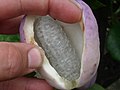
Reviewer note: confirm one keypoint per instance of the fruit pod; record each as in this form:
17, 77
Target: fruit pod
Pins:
72, 54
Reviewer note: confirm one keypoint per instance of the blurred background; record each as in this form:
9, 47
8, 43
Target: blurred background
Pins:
107, 13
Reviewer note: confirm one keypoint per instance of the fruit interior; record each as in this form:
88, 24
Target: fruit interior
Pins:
62, 43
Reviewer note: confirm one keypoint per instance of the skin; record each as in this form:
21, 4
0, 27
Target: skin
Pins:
14, 56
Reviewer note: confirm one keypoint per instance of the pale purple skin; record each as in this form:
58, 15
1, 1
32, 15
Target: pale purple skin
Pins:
89, 31
22, 36
87, 15
89, 84
92, 81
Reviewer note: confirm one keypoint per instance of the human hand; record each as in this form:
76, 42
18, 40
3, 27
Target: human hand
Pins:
18, 59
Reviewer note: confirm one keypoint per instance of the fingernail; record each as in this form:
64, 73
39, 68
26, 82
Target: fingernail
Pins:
34, 58
75, 2
77, 6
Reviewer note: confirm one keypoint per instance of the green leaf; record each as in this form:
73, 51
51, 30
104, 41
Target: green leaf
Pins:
115, 85
10, 38
118, 11
96, 87
113, 41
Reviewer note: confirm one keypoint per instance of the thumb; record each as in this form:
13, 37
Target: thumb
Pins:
17, 59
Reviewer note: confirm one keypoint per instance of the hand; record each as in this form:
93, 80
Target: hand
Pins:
18, 59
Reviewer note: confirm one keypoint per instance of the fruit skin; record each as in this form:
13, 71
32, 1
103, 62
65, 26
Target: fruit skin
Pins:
91, 53
22, 35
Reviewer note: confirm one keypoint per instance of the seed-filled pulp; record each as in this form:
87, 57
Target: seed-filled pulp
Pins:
58, 48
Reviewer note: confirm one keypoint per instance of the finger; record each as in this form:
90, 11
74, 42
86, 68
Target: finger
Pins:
17, 59
10, 26
25, 84
63, 10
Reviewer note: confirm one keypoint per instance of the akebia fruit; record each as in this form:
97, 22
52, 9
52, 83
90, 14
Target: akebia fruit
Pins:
71, 51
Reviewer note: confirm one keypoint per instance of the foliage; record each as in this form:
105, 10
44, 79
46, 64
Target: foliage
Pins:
96, 87
10, 38
113, 41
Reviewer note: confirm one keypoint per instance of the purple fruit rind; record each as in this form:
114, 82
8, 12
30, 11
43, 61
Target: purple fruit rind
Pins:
22, 35
78, 1
90, 34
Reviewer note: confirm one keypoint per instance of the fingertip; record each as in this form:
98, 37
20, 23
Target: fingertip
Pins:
65, 10
34, 58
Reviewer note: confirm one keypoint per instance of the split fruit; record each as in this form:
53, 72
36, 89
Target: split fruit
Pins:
71, 50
